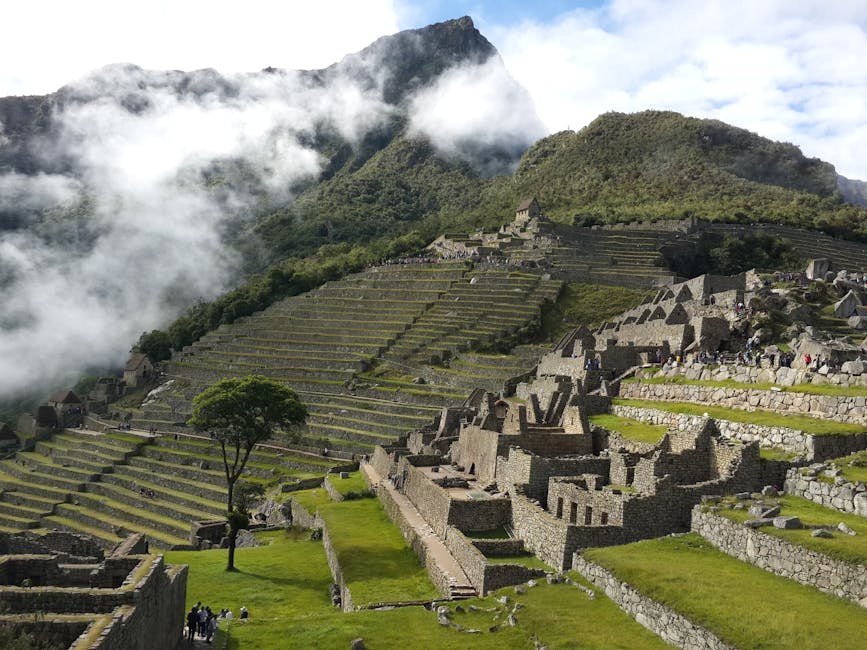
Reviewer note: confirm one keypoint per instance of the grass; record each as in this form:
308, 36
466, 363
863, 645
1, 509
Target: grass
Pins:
804, 423
377, 564
524, 559
589, 304
285, 587
775, 453
809, 389
629, 428
743, 605
355, 483
854, 466
841, 546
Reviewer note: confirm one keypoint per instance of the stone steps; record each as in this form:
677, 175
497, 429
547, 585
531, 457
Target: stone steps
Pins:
29, 487
175, 477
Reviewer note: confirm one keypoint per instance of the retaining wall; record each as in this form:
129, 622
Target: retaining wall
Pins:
834, 407
806, 566
659, 619
790, 440
483, 576
847, 497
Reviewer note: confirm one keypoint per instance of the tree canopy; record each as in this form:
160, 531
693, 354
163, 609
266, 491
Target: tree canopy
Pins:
239, 413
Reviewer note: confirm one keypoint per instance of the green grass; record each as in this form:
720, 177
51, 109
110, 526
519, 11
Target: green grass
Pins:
809, 389
743, 605
805, 423
377, 564
774, 453
844, 547
854, 466
285, 587
589, 304
355, 483
524, 559
629, 428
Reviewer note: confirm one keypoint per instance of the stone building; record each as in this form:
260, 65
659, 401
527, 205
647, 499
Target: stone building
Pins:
60, 588
138, 371
7, 437
69, 408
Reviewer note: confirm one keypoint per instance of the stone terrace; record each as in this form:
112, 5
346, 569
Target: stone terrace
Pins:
92, 484
330, 344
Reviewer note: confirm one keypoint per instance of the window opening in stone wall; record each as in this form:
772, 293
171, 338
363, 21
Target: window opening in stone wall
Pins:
560, 508
573, 513
588, 515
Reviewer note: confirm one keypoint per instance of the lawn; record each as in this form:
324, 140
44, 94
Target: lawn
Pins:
353, 483
743, 605
285, 587
377, 564
804, 423
844, 547
629, 428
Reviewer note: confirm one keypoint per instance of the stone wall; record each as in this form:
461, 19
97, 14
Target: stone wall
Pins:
845, 497
440, 580
790, 440
68, 545
431, 501
336, 571
546, 536
806, 566
836, 407
659, 619
470, 515
157, 620
483, 576
763, 375
533, 472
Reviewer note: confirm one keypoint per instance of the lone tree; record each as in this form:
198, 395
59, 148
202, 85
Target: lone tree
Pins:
239, 413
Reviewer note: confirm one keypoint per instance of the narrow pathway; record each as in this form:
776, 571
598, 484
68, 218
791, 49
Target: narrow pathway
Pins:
459, 584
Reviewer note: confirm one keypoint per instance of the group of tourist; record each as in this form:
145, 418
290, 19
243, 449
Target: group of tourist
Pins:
203, 622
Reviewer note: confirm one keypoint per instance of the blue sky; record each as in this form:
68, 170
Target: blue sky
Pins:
791, 70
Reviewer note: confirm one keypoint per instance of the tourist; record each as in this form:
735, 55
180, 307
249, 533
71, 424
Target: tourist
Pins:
210, 626
192, 623
244, 613
203, 619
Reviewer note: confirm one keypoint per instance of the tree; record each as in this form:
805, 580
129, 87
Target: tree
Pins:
156, 344
240, 413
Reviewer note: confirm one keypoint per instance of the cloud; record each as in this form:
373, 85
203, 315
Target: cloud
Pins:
475, 108
790, 71
55, 41
77, 291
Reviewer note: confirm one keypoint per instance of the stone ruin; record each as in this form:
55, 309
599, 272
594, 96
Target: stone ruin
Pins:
61, 588
532, 464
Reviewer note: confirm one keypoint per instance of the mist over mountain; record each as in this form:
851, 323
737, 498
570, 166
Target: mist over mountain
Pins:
130, 193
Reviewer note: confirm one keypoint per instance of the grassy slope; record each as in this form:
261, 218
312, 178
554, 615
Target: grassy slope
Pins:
745, 606
285, 587
377, 564
809, 389
844, 547
629, 428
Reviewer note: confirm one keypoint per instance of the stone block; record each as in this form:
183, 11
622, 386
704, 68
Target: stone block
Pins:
843, 528
787, 523
769, 491
822, 532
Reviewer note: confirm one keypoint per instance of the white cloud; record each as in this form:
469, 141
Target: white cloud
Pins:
476, 106
788, 70
49, 43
